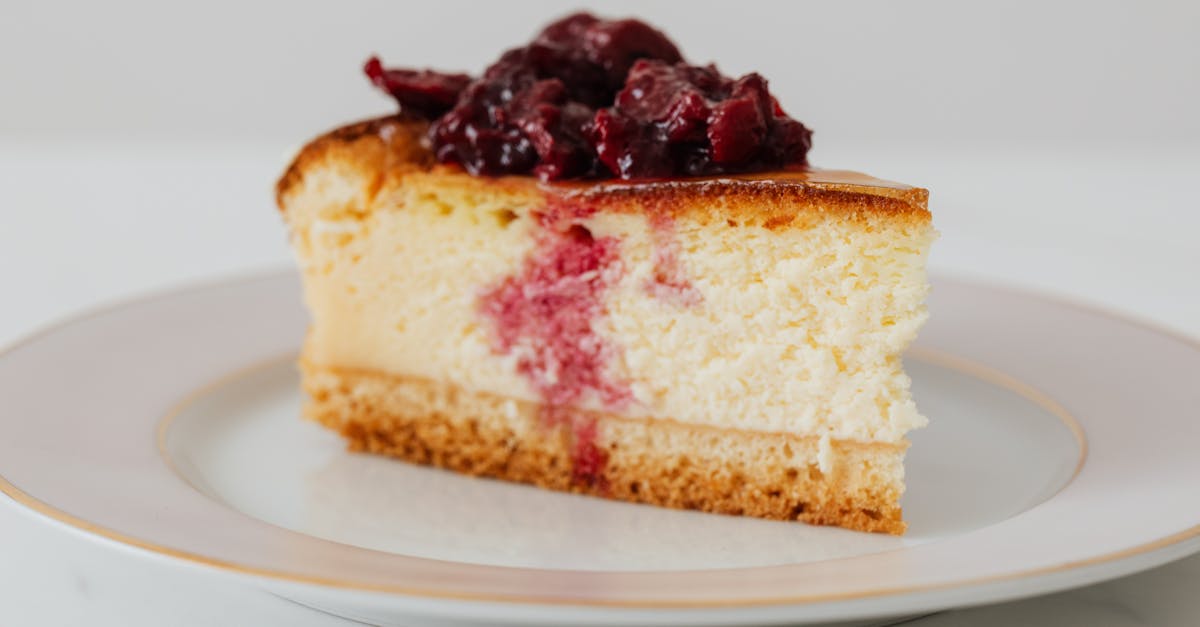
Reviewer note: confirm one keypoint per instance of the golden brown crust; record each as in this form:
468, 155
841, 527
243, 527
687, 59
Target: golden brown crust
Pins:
768, 199
394, 145
659, 462
376, 145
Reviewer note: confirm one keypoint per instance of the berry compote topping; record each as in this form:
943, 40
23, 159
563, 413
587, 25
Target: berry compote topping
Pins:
592, 98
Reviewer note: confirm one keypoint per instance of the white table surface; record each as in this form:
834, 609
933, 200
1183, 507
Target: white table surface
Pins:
83, 224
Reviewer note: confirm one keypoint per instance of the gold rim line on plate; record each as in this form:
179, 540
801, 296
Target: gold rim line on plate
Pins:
989, 374
177, 408
65, 518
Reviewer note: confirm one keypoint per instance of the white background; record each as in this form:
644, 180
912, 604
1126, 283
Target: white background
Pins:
923, 71
139, 141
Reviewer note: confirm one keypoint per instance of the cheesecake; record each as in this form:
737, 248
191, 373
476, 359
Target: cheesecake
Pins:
617, 276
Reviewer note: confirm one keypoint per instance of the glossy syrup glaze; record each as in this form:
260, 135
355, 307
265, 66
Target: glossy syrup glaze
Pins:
783, 176
749, 197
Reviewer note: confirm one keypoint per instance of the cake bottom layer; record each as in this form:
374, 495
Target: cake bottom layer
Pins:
781, 476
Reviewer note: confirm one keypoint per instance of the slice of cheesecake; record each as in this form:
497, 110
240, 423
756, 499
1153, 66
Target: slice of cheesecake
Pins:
724, 343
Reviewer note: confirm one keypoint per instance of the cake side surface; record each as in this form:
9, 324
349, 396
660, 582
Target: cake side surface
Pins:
658, 462
755, 310
829, 300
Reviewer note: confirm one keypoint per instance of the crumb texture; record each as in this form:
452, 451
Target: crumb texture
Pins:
659, 462
795, 328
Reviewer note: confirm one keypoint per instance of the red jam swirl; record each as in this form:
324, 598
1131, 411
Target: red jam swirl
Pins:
592, 98
545, 315
670, 282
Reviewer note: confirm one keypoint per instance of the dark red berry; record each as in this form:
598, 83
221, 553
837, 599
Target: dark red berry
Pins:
424, 92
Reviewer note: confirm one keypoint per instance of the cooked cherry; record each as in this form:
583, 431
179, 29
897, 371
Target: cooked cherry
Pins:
422, 91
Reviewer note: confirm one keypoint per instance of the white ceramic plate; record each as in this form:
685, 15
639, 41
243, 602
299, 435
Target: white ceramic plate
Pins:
1062, 450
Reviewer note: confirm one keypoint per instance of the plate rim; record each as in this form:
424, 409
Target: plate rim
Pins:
49, 513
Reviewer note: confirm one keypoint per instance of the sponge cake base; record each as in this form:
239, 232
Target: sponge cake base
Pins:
780, 476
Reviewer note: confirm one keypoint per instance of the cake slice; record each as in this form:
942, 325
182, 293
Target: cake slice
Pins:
728, 341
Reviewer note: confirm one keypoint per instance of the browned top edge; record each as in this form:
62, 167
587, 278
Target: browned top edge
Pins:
375, 129
767, 198
831, 190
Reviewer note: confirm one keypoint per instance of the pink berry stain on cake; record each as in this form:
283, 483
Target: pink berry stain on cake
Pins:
670, 282
545, 314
